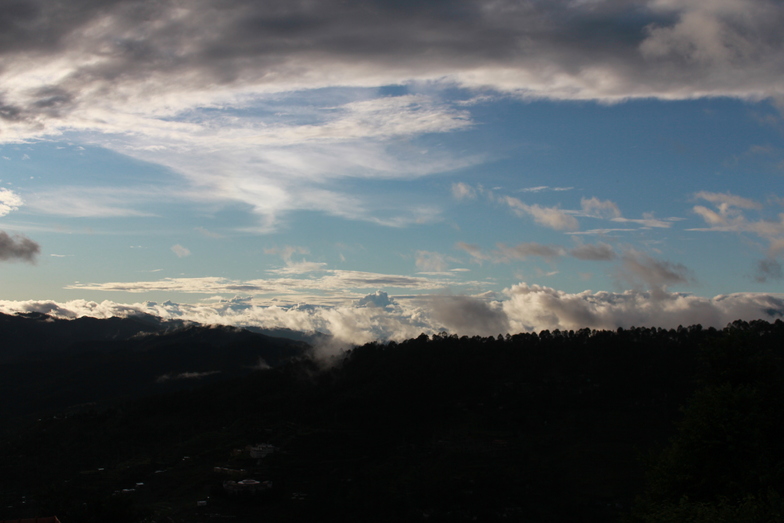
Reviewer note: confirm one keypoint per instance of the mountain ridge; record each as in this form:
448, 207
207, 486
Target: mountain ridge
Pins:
49, 364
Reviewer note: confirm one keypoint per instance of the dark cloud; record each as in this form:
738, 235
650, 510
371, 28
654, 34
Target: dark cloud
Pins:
10, 112
370, 280
522, 251
471, 316
594, 252
769, 269
52, 101
525, 250
657, 275
559, 48
18, 248
244, 288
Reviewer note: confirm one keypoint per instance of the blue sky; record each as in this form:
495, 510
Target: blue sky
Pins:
377, 171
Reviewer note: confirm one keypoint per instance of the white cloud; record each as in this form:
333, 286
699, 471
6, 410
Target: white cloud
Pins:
597, 208
221, 164
9, 201
92, 202
302, 267
711, 217
551, 217
463, 191
647, 221
531, 307
342, 281
731, 216
725, 201
432, 262
608, 210
287, 251
600, 232
293, 266
378, 118
180, 251
377, 299
208, 233
545, 188
273, 165
474, 251
564, 219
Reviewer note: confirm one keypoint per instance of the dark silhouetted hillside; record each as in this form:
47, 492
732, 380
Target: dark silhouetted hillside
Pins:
585, 426
51, 365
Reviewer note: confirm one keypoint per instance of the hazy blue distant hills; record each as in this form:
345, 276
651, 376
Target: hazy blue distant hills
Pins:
47, 365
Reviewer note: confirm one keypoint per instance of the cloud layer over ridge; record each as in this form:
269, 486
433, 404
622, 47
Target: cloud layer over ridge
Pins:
378, 316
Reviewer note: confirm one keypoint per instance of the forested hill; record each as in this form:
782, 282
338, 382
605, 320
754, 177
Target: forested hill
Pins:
24, 336
37, 334
548, 427
49, 365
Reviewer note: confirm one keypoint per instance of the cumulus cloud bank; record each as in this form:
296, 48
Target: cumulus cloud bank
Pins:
378, 316
532, 307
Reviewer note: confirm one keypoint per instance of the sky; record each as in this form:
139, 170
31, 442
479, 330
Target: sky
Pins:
377, 169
